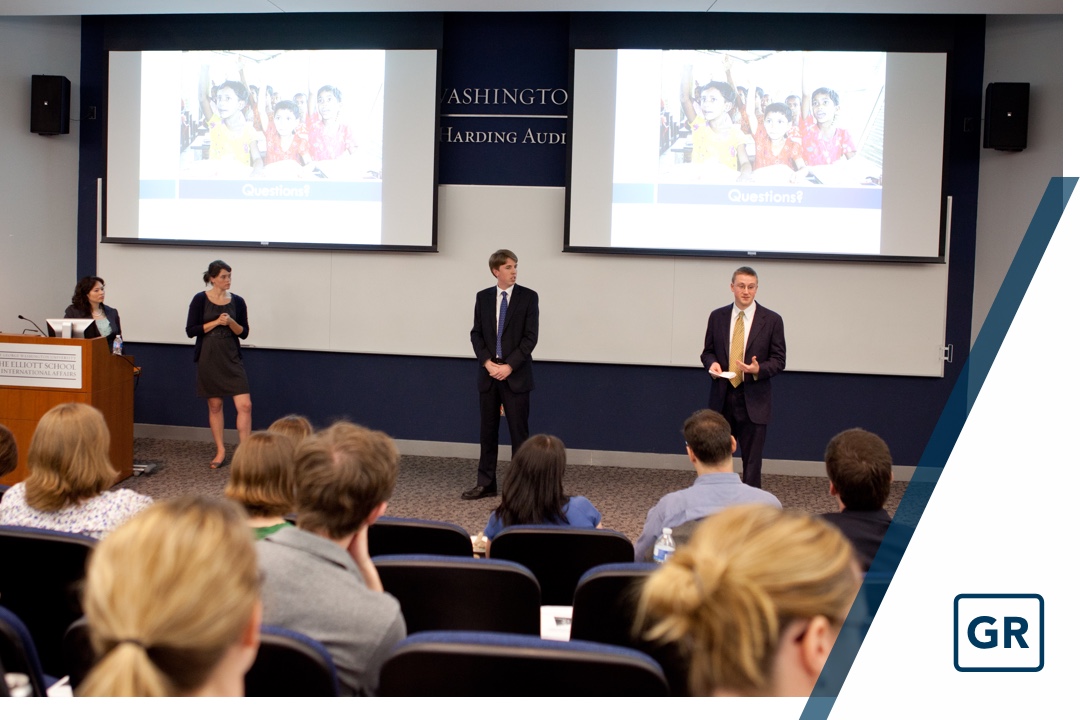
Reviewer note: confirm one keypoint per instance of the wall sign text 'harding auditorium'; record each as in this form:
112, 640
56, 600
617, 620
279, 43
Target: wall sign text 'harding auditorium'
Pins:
478, 127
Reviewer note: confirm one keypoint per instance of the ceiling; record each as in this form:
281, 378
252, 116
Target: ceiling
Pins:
155, 7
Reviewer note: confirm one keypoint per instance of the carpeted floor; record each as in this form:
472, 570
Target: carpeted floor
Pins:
431, 487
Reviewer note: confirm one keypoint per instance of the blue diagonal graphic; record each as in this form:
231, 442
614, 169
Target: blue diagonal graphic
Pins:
1012, 290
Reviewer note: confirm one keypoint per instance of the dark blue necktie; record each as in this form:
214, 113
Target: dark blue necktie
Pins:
502, 324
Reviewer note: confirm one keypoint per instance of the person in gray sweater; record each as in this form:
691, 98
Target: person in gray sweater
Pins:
319, 577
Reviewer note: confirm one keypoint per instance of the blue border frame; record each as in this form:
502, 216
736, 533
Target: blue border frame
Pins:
1006, 596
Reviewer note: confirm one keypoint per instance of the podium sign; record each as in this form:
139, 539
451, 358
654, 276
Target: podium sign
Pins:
50, 366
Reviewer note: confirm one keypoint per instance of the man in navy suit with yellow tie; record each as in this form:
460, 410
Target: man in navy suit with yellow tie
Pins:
748, 340
506, 324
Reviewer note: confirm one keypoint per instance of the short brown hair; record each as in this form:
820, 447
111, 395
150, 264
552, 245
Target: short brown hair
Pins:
9, 451
499, 258
744, 270
263, 475
860, 467
69, 458
342, 474
708, 434
297, 427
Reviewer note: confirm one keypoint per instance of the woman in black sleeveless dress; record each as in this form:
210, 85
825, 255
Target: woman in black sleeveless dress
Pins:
218, 321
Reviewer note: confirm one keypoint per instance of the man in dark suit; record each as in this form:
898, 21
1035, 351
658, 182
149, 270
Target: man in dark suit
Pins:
746, 339
506, 323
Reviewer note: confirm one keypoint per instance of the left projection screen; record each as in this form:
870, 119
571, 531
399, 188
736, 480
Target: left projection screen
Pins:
331, 149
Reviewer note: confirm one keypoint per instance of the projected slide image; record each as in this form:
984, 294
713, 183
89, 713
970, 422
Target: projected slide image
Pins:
767, 116
287, 139
765, 137
282, 114
282, 148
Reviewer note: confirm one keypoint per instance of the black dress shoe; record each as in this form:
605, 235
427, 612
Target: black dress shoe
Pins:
480, 491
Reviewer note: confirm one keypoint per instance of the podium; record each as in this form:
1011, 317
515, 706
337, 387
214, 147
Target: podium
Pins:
38, 373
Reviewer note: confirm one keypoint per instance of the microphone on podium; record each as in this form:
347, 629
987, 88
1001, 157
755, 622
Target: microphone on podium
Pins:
32, 323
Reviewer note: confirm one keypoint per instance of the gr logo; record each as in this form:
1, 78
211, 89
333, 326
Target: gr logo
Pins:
998, 633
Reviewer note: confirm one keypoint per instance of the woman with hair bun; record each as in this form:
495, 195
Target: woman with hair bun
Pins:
218, 321
754, 601
172, 603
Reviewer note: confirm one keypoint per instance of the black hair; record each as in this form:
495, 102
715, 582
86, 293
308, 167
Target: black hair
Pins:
82, 289
532, 490
328, 88
214, 270
237, 87
778, 107
290, 106
826, 91
726, 90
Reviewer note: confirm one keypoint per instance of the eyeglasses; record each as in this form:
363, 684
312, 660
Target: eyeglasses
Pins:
751, 288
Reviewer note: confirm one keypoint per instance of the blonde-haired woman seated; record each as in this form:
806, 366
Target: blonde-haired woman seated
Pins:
262, 479
69, 473
172, 602
754, 601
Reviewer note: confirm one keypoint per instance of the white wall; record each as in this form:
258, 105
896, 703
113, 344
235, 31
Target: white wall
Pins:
1019, 48
39, 180
39, 183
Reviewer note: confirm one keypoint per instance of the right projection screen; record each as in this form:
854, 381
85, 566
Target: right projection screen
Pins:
785, 154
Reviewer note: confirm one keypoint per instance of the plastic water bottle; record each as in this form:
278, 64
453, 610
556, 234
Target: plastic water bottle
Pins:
665, 545
118, 345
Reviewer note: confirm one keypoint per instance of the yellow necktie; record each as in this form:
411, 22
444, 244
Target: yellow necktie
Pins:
736, 353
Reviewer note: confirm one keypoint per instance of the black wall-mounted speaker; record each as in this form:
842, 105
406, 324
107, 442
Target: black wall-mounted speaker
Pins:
1005, 123
50, 104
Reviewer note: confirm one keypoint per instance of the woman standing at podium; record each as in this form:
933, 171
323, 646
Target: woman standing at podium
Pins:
218, 321
88, 301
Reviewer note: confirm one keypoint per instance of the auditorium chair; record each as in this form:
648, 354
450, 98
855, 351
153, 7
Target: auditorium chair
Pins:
290, 664
40, 572
18, 653
605, 603
451, 593
398, 536
458, 663
79, 654
559, 555
605, 608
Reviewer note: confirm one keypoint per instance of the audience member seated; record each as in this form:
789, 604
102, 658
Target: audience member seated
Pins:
262, 479
319, 577
710, 446
859, 467
297, 427
9, 452
69, 473
533, 490
755, 601
172, 603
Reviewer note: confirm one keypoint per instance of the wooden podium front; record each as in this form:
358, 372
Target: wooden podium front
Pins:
38, 373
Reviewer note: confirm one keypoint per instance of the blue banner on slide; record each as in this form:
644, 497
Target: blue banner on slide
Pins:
368, 191
864, 198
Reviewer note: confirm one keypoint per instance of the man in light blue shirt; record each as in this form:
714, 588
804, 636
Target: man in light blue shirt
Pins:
710, 446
